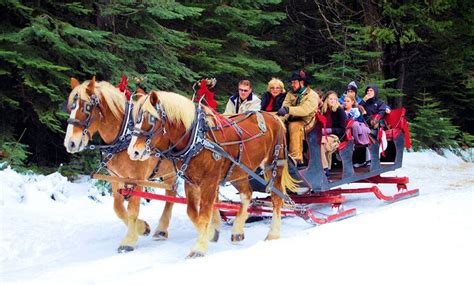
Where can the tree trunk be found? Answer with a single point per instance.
(400, 85)
(372, 18)
(105, 23)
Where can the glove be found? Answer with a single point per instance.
(374, 123)
(283, 111)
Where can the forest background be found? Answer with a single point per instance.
(420, 53)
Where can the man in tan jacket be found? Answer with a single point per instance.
(299, 110)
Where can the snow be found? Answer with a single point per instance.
(73, 239)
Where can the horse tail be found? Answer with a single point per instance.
(287, 181)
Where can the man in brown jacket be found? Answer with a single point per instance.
(299, 110)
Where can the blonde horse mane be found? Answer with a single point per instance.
(177, 108)
(112, 96)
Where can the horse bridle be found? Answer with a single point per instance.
(152, 132)
(87, 109)
(194, 146)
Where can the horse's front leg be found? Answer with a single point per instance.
(206, 203)
(215, 226)
(161, 232)
(245, 191)
(119, 208)
(277, 201)
(192, 197)
(135, 225)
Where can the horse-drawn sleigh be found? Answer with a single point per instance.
(174, 137)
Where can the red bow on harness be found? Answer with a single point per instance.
(122, 86)
(208, 95)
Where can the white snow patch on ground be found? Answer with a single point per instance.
(73, 239)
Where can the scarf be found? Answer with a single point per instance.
(299, 94)
(270, 104)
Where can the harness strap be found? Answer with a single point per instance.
(155, 170)
(232, 123)
(232, 165)
(181, 173)
(274, 165)
(218, 149)
(242, 141)
(261, 124)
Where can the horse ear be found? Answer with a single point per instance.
(74, 83)
(139, 94)
(91, 86)
(154, 98)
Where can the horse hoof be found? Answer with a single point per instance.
(125, 248)
(237, 237)
(272, 237)
(160, 235)
(147, 230)
(215, 238)
(195, 254)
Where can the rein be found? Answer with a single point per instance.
(240, 131)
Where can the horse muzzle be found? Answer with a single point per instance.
(136, 154)
(74, 145)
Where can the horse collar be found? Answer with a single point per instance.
(196, 143)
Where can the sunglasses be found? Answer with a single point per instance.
(244, 90)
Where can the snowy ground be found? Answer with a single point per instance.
(73, 239)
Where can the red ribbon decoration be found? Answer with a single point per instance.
(122, 86)
(208, 95)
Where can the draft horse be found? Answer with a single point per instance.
(209, 150)
(101, 107)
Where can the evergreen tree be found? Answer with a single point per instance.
(406, 47)
(351, 36)
(229, 41)
(43, 43)
(431, 128)
(444, 62)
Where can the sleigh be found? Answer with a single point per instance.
(322, 198)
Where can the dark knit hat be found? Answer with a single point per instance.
(352, 86)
